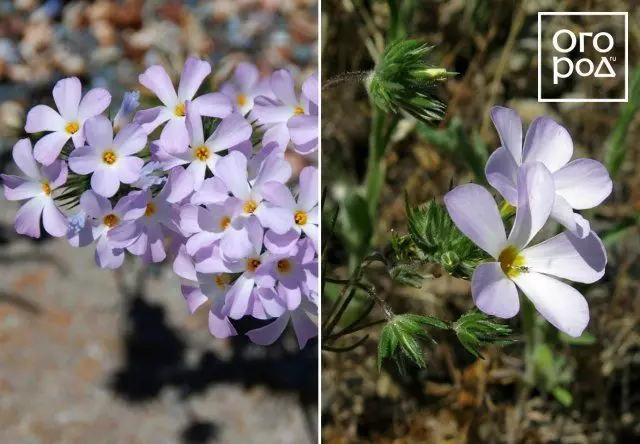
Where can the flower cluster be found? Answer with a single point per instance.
(210, 193)
(538, 179)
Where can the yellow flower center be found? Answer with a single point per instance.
(222, 280)
(511, 262)
(241, 99)
(179, 110)
(253, 264)
(300, 217)
(250, 206)
(72, 127)
(298, 111)
(150, 210)
(110, 220)
(109, 157)
(224, 222)
(202, 153)
(46, 189)
(284, 265)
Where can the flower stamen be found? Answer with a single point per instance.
(298, 111)
(284, 265)
(72, 127)
(250, 206)
(511, 262)
(46, 189)
(224, 222)
(300, 217)
(202, 153)
(241, 99)
(179, 110)
(150, 209)
(110, 220)
(109, 157)
(253, 264)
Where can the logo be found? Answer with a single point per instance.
(567, 54)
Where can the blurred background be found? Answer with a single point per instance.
(90, 355)
(587, 390)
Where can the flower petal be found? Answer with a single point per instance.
(509, 127)
(232, 169)
(194, 126)
(493, 292)
(220, 326)
(128, 169)
(282, 86)
(560, 304)
(232, 131)
(130, 140)
(269, 111)
(268, 334)
(237, 303)
(55, 173)
(311, 89)
(99, 133)
(19, 188)
(502, 174)
(277, 219)
(55, 223)
(84, 160)
(93, 103)
(535, 200)
(569, 257)
(563, 213)
(157, 80)
(104, 181)
(193, 297)
(27, 220)
(304, 327)
(548, 142)
(193, 74)
(152, 118)
(308, 194)
(94, 205)
(279, 194)
(475, 213)
(43, 118)
(213, 105)
(303, 129)
(246, 76)
(48, 148)
(23, 157)
(583, 183)
(66, 94)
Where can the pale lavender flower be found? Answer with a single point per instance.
(173, 109)
(130, 102)
(245, 87)
(146, 235)
(110, 160)
(580, 184)
(200, 288)
(303, 129)
(68, 122)
(276, 114)
(232, 170)
(150, 175)
(37, 188)
(304, 327)
(104, 218)
(208, 224)
(493, 285)
(304, 210)
(242, 298)
(197, 153)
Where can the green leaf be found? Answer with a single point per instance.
(474, 330)
(401, 337)
(357, 226)
(586, 339)
(563, 396)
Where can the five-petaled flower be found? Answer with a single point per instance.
(565, 256)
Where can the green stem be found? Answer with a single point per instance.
(527, 316)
